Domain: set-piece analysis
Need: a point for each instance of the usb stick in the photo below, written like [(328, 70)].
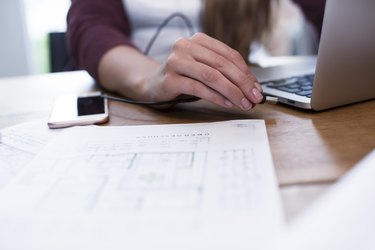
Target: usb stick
[(269, 99)]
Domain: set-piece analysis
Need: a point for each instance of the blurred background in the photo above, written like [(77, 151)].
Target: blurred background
[(24, 29)]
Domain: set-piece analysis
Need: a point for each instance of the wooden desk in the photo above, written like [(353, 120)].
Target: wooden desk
[(310, 150)]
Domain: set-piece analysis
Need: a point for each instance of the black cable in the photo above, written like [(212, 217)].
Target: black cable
[(145, 103), (184, 99), (165, 23)]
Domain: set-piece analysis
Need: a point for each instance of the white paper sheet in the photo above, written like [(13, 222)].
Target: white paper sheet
[(19, 145), (193, 186), (342, 219)]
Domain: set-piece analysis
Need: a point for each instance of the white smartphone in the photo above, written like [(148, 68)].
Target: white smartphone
[(82, 109)]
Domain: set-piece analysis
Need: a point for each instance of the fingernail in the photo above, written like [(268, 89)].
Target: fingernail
[(256, 93), (246, 105), (257, 85), (228, 104)]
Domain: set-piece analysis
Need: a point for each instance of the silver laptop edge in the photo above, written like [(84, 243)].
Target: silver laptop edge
[(305, 66), (345, 66)]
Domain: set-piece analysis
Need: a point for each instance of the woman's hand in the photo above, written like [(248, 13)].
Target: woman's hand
[(199, 66)]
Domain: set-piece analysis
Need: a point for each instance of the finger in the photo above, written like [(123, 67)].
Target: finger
[(244, 80), (189, 86), (221, 49), (210, 77)]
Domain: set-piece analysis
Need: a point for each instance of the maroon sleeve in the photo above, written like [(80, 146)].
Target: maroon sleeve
[(314, 11), (94, 27)]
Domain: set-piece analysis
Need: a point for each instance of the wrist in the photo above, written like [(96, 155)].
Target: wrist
[(125, 70)]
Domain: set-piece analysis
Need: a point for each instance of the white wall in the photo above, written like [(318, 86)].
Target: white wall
[(14, 52)]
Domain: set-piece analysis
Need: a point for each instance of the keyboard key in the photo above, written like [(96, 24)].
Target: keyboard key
[(294, 85), (305, 92), (291, 80), (305, 83), (306, 87), (290, 90)]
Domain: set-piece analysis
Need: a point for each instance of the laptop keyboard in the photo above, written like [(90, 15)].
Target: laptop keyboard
[(299, 85)]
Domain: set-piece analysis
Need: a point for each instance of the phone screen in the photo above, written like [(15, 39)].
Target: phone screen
[(83, 109), (90, 105)]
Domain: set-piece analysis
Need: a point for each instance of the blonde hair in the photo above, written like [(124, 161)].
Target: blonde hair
[(237, 23)]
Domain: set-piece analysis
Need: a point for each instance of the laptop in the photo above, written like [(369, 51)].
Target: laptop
[(344, 69)]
